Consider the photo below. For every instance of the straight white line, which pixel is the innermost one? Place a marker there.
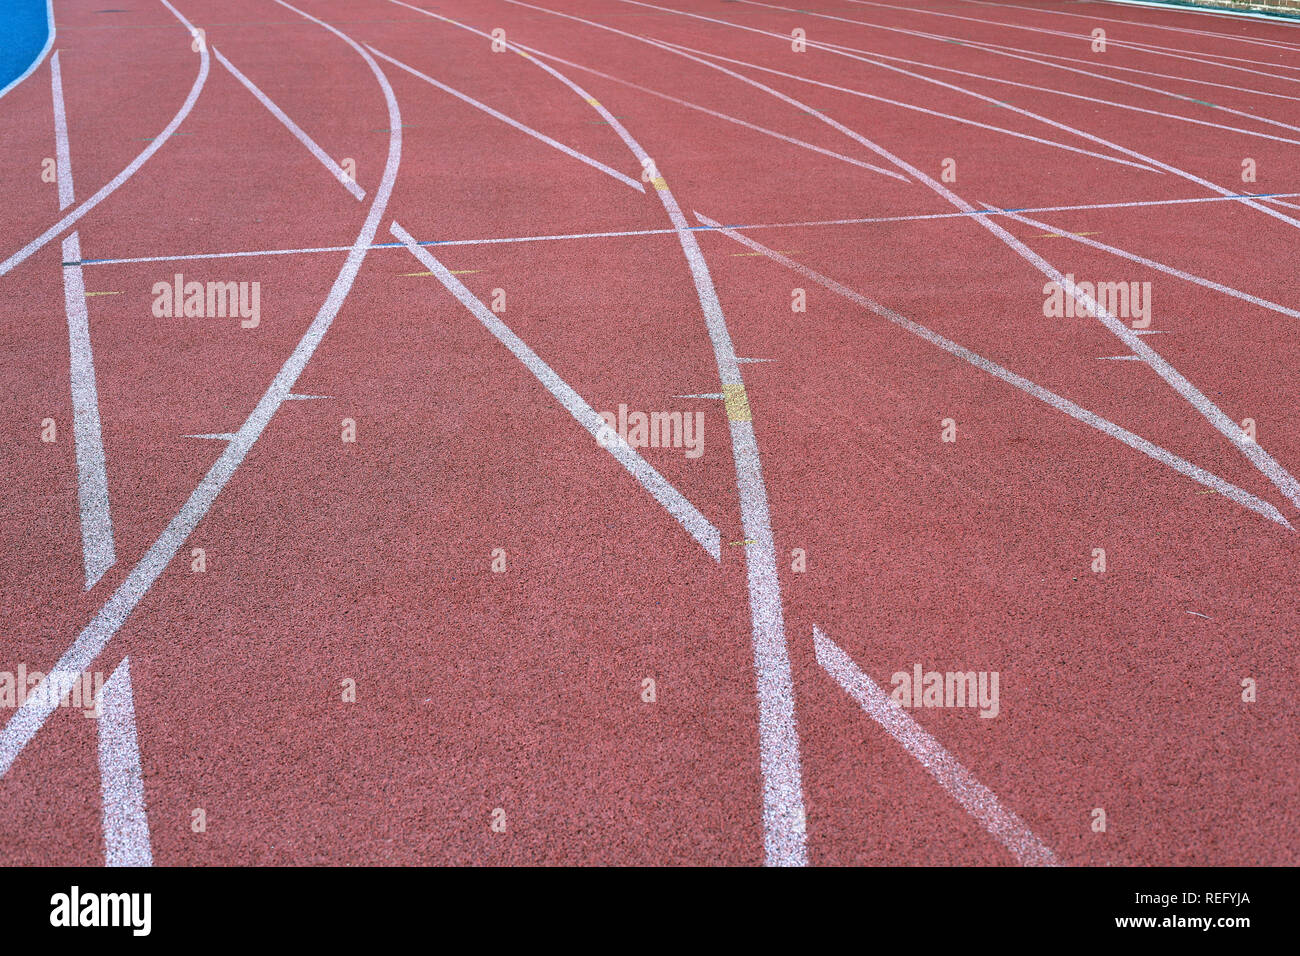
(1216, 12)
(40, 57)
(1140, 24)
(542, 137)
(1143, 47)
(1160, 267)
(97, 550)
(678, 49)
(1197, 81)
(126, 822)
(907, 106)
(98, 553)
(1195, 472)
(843, 51)
(326, 160)
(62, 152)
(722, 116)
(61, 226)
(31, 716)
(978, 800)
(998, 50)
(664, 232)
(1250, 449)
(672, 500)
(784, 822)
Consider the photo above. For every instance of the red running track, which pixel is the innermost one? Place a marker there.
(475, 634)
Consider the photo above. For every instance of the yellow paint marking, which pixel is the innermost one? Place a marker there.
(593, 102)
(660, 183)
(455, 272)
(737, 403)
(746, 541)
(1062, 235)
(89, 294)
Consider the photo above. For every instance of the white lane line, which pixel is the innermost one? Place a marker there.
(844, 51)
(998, 50)
(1159, 267)
(784, 822)
(978, 800)
(1218, 12)
(126, 822)
(1282, 479)
(334, 168)
(40, 57)
(1140, 24)
(1136, 442)
(1250, 449)
(88, 204)
(62, 152)
(1197, 81)
(542, 137)
(678, 48)
(218, 436)
(31, 716)
(716, 115)
(97, 551)
(899, 103)
(687, 52)
(672, 500)
(665, 232)
(1177, 54)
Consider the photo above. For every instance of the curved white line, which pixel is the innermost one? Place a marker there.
(45, 50)
(997, 50)
(31, 716)
(965, 121)
(1139, 24)
(1251, 450)
(1175, 52)
(514, 123)
(784, 822)
(842, 51)
(88, 204)
(1217, 12)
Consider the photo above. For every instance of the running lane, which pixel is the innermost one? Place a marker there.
(433, 620)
